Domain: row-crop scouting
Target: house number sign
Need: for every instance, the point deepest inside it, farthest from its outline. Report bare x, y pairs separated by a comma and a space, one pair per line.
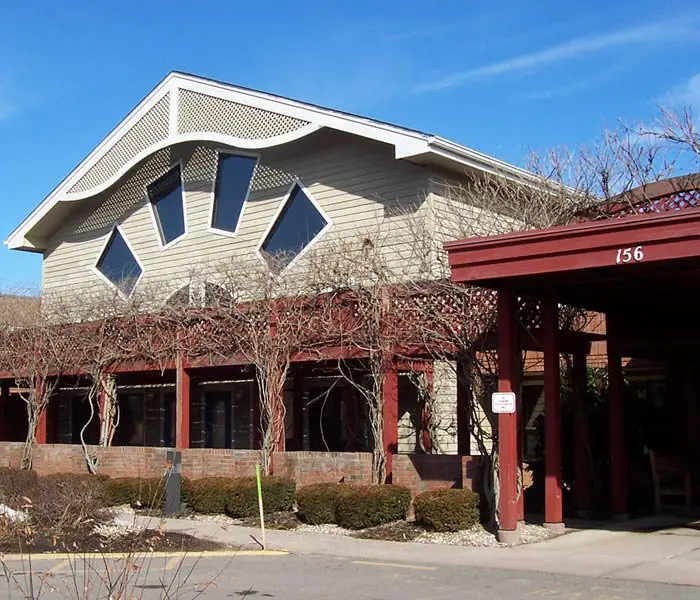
629, 255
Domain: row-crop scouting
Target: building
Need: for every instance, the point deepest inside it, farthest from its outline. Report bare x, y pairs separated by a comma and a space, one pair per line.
204, 177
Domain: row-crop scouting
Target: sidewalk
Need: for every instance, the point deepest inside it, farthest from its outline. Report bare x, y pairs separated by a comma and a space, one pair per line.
666, 556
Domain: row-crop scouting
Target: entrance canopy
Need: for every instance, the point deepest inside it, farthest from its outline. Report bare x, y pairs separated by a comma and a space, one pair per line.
644, 270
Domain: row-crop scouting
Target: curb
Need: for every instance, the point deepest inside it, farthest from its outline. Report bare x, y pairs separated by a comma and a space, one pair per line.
79, 556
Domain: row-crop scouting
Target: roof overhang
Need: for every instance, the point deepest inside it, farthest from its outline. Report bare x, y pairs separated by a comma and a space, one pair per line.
644, 262
111, 162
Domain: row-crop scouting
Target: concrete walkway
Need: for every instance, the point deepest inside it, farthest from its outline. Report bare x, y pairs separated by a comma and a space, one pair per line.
670, 555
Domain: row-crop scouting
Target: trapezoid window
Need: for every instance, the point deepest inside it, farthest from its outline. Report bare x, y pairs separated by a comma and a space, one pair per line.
296, 226
167, 201
118, 264
234, 172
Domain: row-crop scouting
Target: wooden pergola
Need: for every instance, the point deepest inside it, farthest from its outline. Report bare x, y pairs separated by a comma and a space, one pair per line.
642, 271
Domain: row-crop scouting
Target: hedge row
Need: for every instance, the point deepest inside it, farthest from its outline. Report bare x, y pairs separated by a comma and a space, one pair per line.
239, 497
360, 507
353, 507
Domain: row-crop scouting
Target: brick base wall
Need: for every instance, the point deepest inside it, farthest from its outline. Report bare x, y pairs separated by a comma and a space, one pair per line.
426, 472
132, 461
321, 467
415, 471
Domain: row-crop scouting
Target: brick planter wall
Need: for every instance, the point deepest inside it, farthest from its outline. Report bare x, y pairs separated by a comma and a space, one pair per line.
415, 471
318, 467
425, 472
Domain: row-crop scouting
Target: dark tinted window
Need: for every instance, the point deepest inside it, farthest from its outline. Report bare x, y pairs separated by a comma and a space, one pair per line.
118, 264
298, 224
166, 196
233, 177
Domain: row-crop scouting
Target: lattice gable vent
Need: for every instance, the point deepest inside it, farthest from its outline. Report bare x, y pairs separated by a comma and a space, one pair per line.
201, 112
150, 129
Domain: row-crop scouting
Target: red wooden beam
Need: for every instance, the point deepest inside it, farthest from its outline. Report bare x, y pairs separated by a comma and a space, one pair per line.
183, 390
582, 470
661, 237
390, 407
41, 436
553, 509
507, 423
618, 479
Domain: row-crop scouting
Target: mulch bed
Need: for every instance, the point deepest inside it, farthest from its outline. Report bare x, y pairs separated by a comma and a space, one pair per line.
281, 520
400, 531
147, 540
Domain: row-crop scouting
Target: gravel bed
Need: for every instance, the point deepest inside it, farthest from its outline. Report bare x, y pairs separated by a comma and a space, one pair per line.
480, 536
476, 536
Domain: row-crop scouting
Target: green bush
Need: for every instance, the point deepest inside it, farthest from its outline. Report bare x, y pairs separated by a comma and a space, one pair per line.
208, 495
447, 510
242, 501
369, 506
135, 491
318, 502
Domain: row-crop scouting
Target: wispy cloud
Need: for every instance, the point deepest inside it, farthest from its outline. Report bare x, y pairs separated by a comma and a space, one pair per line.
688, 93
666, 31
572, 88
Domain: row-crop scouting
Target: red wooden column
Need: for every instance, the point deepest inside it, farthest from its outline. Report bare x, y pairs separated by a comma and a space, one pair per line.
4, 401
553, 510
582, 467
463, 403
183, 393
298, 408
41, 436
390, 409
618, 479
508, 423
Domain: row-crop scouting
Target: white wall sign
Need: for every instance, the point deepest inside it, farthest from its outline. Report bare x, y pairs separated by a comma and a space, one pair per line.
503, 402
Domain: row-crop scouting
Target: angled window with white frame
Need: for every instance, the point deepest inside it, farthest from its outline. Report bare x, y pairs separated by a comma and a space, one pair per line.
167, 202
234, 173
298, 223
118, 264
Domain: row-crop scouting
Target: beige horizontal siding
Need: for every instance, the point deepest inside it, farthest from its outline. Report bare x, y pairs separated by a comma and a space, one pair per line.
355, 181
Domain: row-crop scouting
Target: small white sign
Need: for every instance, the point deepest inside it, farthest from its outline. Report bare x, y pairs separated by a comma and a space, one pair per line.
503, 402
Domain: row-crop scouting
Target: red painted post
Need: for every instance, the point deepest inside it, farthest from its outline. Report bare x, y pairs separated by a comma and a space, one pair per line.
298, 408
41, 435
390, 409
508, 423
183, 393
582, 470
618, 479
553, 510
429, 373
4, 400
463, 402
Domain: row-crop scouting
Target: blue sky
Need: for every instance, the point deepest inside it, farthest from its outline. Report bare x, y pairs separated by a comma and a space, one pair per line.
501, 77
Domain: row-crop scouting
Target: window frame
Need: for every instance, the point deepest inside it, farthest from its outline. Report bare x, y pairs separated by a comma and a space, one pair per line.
100, 254
210, 222
151, 206
280, 209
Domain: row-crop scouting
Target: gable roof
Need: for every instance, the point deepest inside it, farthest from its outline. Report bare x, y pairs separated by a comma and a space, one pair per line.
185, 108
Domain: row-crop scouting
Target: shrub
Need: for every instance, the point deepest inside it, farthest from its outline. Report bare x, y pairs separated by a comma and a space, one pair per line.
242, 501
69, 501
135, 490
209, 495
16, 484
370, 506
447, 510
318, 502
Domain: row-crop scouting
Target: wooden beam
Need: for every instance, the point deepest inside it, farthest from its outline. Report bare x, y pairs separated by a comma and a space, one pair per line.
553, 508
507, 423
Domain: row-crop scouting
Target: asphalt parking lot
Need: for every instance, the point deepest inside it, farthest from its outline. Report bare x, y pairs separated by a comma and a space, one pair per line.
292, 577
